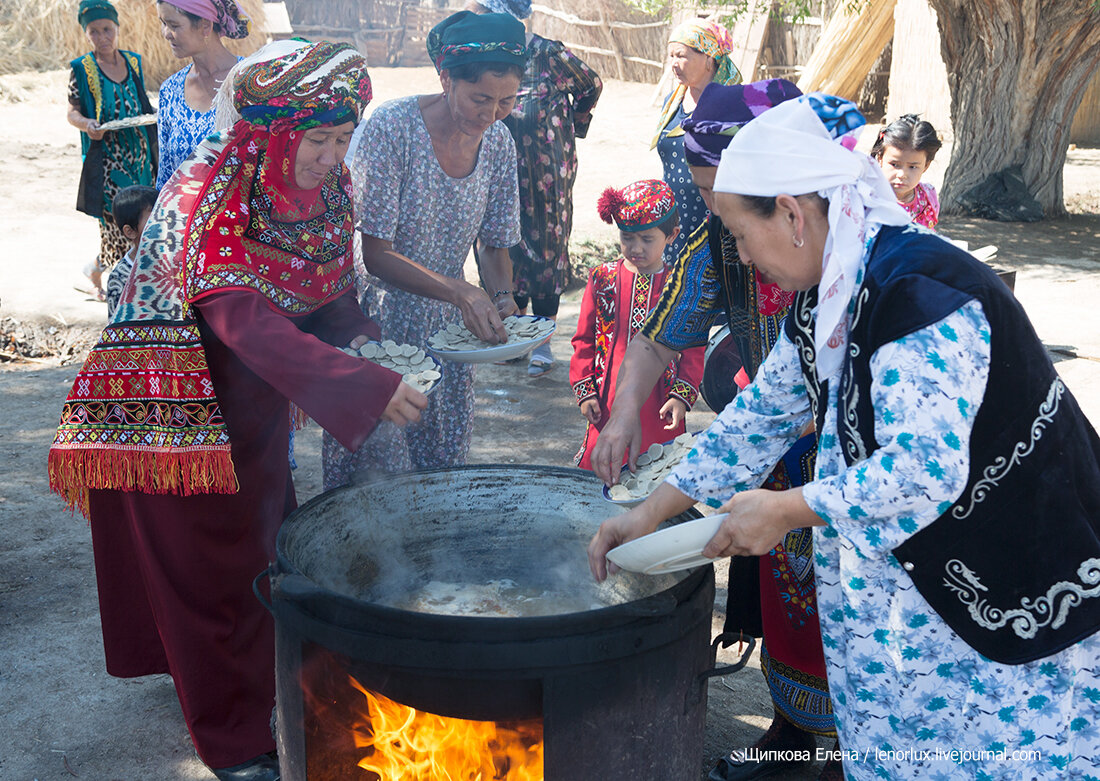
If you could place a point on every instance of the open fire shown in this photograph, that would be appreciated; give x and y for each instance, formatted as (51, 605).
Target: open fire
(403, 744)
(355, 733)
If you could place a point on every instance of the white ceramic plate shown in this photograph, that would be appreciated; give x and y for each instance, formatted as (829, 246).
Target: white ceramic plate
(633, 501)
(670, 549)
(496, 352)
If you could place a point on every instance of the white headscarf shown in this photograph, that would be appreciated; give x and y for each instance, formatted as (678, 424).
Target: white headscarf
(788, 150)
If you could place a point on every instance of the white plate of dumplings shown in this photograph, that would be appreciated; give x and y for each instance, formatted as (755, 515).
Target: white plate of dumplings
(457, 343)
(654, 465)
(415, 366)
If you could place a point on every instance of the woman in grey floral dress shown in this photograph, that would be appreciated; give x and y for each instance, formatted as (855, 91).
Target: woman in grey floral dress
(433, 174)
(554, 109)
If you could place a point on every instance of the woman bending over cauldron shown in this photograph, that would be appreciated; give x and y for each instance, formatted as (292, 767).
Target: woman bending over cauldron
(956, 492)
(433, 174)
(174, 435)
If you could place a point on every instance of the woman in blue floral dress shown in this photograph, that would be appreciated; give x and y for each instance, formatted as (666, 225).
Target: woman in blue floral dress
(956, 494)
(433, 174)
(185, 111)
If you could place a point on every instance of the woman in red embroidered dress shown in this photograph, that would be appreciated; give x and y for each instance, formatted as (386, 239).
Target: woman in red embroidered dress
(174, 435)
(616, 303)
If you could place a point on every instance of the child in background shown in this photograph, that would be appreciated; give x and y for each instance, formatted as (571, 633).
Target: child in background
(617, 300)
(131, 207)
(905, 148)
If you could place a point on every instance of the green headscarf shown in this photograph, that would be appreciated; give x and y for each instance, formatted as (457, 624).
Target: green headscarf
(93, 10)
(467, 37)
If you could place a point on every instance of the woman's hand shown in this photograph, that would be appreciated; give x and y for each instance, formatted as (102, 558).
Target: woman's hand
(405, 405)
(673, 413)
(614, 532)
(506, 305)
(758, 520)
(93, 131)
(479, 314)
(620, 438)
(358, 341)
(590, 408)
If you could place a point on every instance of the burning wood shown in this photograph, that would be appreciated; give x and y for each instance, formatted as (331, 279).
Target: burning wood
(406, 745)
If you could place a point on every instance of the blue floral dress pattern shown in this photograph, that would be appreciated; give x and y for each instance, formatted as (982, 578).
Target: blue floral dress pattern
(179, 127)
(904, 685)
(402, 195)
(689, 203)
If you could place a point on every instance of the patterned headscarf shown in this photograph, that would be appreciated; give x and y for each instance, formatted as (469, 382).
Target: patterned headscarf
(319, 84)
(638, 206)
(723, 110)
(229, 18)
(713, 40)
(520, 9)
(143, 414)
(466, 37)
(807, 146)
(94, 10)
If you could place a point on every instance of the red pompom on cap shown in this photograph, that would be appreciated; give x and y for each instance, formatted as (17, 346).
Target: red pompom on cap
(609, 205)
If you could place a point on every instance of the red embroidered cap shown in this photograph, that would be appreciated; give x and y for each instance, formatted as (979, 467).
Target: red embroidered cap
(638, 206)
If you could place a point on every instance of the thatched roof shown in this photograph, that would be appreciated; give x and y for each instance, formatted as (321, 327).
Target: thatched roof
(39, 35)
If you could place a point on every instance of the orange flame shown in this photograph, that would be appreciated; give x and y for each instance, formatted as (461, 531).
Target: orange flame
(406, 745)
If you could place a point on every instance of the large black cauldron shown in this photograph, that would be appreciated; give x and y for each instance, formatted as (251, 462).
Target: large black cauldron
(620, 687)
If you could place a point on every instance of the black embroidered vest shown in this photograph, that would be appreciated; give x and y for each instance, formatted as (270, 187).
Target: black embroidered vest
(1013, 566)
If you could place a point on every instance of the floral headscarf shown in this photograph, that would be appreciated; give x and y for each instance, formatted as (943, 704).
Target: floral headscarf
(722, 110)
(143, 413)
(713, 40)
(803, 146)
(229, 18)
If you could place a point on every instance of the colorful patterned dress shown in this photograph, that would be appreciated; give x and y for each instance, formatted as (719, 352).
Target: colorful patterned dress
(615, 306)
(402, 195)
(708, 280)
(553, 109)
(122, 157)
(689, 203)
(181, 128)
(924, 206)
(906, 689)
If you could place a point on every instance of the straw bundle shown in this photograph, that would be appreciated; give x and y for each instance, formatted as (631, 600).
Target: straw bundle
(39, 35)
(848, 47)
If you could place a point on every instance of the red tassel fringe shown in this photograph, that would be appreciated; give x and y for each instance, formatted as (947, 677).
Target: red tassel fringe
(74, 472)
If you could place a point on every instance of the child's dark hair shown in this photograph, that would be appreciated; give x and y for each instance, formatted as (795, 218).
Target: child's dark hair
(130, 203)
(668, 224)
(908, 131)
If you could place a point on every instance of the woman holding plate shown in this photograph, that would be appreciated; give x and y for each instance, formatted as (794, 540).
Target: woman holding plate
(105, 85)
(432, 175)
(955, 498)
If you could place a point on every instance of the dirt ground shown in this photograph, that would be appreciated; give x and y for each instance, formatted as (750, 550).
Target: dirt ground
(61, 715)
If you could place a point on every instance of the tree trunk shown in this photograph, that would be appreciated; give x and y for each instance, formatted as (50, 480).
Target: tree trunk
(1017, 71)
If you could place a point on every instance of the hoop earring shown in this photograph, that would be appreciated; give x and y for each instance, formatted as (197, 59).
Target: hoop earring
(798, 242)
